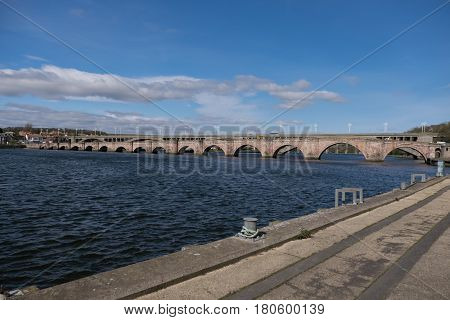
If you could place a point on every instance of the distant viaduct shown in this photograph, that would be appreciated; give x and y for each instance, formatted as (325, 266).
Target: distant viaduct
(372, 147)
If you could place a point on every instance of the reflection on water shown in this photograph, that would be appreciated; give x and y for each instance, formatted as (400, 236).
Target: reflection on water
(52, 202)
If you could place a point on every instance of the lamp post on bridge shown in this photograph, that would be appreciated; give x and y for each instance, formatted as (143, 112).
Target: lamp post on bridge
(423, 125)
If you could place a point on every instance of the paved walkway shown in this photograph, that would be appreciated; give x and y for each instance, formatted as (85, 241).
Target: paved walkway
(384, 253)
(430, 276)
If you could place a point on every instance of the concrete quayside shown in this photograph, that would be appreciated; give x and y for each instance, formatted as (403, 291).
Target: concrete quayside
(391, 246)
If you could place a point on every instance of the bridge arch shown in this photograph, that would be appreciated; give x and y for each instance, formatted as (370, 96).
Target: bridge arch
(139, 150)
(75, 148)
(337, 144)
(62, 148)
(422, 154)
(88, 148)
(103, 149)
(283, 149)
(50, 148)
(121, 149)
(214, 149)
(159, 150)
(186, 149)
(247, 149)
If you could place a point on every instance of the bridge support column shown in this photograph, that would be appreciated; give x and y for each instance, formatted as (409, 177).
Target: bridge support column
(374, 158)
(373, 151)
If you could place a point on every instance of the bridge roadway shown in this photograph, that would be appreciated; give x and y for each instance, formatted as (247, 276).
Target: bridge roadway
(312, 147)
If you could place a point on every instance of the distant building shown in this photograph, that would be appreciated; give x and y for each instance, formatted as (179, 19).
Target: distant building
(23, 133)
(3, 138)
(34, 138)
(6, 137)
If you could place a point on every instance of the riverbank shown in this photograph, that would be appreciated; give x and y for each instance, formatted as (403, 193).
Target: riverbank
(12, 146)
(152, 276)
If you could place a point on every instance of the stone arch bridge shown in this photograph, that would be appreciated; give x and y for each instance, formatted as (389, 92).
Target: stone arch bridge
(312, 147)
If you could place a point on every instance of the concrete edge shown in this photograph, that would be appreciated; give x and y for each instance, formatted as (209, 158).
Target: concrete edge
(307, 262)
(154, 274)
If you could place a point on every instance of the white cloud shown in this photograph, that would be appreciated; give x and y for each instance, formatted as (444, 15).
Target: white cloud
(35, 58)
(13, 114)
(52, 82)
(224, 108)
(213, 113)
(94, 99)
(293, 99)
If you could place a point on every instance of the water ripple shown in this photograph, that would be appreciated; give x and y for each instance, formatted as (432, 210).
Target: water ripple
(56, 206)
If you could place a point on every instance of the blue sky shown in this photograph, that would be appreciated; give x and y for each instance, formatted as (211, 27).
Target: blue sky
(224, 62)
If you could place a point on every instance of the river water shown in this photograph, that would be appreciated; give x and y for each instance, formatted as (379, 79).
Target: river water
(67, 214)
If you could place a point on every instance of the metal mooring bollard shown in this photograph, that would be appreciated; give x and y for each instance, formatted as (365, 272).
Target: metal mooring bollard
(440, 168)
(249, 230)
(250, 224)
